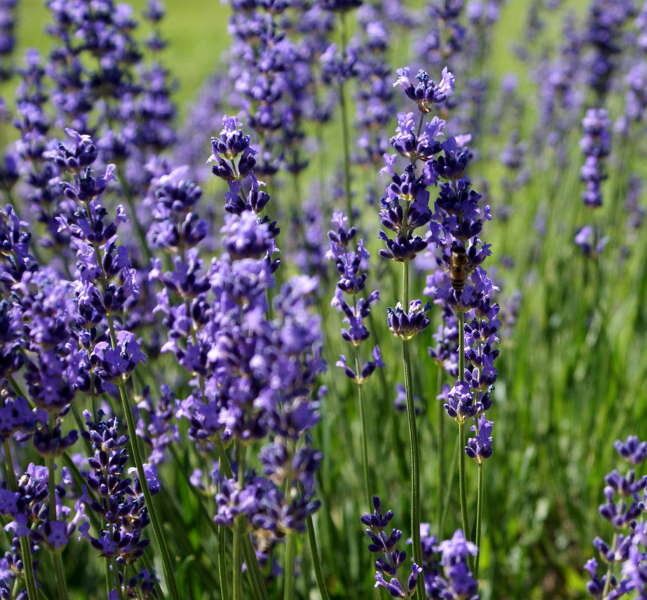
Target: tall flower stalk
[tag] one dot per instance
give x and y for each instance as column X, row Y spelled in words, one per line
column 462, row 287
column 625, row 509
column 352, row 264
column 404, row 209
column 106, row 284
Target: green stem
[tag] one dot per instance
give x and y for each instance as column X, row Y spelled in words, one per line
column 343, row 105
column 461, row 476
column 450, row 485
column 248, row 550
column 413, row 438
column 362, row 412
column 139, row 229
column 25, row 546
column 236, row 580
column 167, row 561
column 316, row 558
column 289, row 579
column 441, row 450
column 59, row 571
column 479, row 512
column 108, row 578
column 607, row 579
column 222, row 563
column 461, row 425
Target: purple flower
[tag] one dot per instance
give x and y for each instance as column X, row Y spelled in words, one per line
column 479, row 447
column 407, row 324
column 113, row 498
column 625, row 509
column 596, row 146
column 351, row 260
column 423, row 90
column 590, row 242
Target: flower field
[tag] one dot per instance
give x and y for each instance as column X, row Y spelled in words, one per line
column 323, row 299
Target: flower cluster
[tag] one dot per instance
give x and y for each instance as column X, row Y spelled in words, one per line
column 107, row 283
column 272, row 75
column 352, row 264
column 604, row 34
column 445, row 570
column 234, row 160
column 625, row 508
column 405, row 205
column 458, row 283
column 374, row 100
column 596, row 146
column 444, row 37
column 388, row 575
column 112, row 497
column 38, row 173
column 7, row 37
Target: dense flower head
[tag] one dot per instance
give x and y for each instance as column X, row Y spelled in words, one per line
column 423, row 90
column 234, row 161
column 595, row 145
column 17, row 417
column 112, row 496
column 244, row 237
column 406, row 324
column 445, row 568
column 604, row 30
column 351, row 261
column 310, row 253
column 176, row 225
column 625, row 507
column 156, row 423
column 389, row 575
column 15, row 255
column 443, row 40
column 7, row 37
column 479, row 447
column 455, row 555
column 632, row 449
column 26, row 510
column 374, row 98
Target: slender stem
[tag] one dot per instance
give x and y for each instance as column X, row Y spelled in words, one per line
column 139, row 229
column 59, row 571
column 441, row 450
column 316, row 558
column 607, row 578
column 479, row 511
column 248, row 550
column 167, row 561
column 461, row 424
column 461, row 477
column 413, row 438
column 450, row 484
column 108, row 578
column 362, row 412
column 236, row 580
column 461, row 345
column 25, row 545
column 343, row 105
column 222, row 563
column 288, row 577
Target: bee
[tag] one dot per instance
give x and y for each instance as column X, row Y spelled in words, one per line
column 459, row 268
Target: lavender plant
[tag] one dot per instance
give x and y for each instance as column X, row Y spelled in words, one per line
column 169, row 426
